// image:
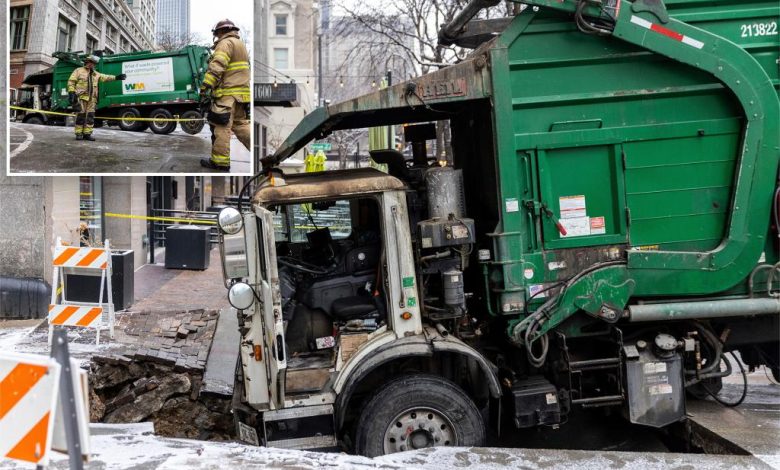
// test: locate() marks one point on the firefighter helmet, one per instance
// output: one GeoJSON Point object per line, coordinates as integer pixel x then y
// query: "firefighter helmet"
{"type": "Point", "coordinates": [225, 24]}
{"type": "Point", "coordinates": [92, 58]}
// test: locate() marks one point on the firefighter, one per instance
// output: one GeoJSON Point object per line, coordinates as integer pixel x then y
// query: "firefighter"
{"type": "Point", "coordinates": [226, 85]}
{"type": "Point", "coordinates": [83, 95]}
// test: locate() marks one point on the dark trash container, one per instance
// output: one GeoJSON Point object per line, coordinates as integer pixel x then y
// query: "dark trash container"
{"type": "Point", "coordinates": [23, 298]}
{"type": "Point", "coordinates": [86, 288]}
{"type": "Point", "coordinates": [187, 247]}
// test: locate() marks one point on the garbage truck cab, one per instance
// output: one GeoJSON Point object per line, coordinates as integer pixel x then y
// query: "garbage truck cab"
{"type": "Point", "coordinates": [605, 235]}
{"type": "Point", "coordinates": [331, 274]}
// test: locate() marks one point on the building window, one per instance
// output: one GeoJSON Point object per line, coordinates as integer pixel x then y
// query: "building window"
{"type": "Point", "coordinates": [93, 16]}
{"type": "Point", "coordinates": [90, 211]}
{"type": "Point", "coordinates": [281, 25]}
{"type": "Point", "coordinates": [66, 33]}
{"type": "Point", "coordinates": [281, 59]}
{"type": "Point", "coordinates": [92, 44]}
{"type": "Point", "coordinates": [20, 18]}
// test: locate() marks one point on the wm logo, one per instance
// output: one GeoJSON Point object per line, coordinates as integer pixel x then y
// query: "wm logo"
{"type": "Point", "coordinates": [135, 87]}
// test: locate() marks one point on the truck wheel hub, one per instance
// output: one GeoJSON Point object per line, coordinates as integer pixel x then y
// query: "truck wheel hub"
{"type": "Point", "coordinates": [419, 428]}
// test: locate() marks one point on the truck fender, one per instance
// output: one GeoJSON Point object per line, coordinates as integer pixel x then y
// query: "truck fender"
{"type": "Point", "coordinates": [427, 344]}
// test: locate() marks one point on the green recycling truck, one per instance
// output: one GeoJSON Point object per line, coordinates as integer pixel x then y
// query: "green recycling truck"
{"type": "Point", "coordinates": [160, 85]}
{"type": "Point", "coordinates": [606, 235]}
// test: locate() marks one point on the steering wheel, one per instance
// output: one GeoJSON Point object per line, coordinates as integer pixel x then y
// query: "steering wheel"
{"type": "Point", "coordinates": [300, 265]}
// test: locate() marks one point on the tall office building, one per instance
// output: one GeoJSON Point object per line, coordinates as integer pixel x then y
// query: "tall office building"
{"type": "Point", "coordinates": [173, 18]}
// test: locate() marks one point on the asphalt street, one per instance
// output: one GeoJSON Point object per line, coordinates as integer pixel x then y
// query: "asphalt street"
{"type": "Point", "coordinates": [53, 149]}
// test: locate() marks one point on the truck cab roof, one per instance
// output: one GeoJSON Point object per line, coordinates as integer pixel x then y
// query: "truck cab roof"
{"type": "Point", "coordinates": [281, 188]}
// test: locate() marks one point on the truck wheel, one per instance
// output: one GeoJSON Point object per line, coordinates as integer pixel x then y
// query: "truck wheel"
{"type": "Point", "coordinates": [165, 127]}
{"type": "Point", "coordinates": [133, 126]}
{"type": "Point", "coordinates": [34, 120]}
{"type": "Point", "coordinates": [192, 127]}
{"type": "Point", "coordinates": [416, 411]}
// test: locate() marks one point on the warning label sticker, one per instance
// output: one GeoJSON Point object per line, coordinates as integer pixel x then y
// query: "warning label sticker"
{"type": "Point", "coordinates": [655, 368]}
{"type": "Point", "coordinates": [512, 205]}
{"type": "Point", "coordinates": [576, 227]}
{"type": "Point", "coordinates": [460, 231]}
{"type": "Point", "coordinates": [572, 206]}
{"type": "Point", "coordinates": [597, 226]}
{"type": "Point", "coordinates": [660, 389]}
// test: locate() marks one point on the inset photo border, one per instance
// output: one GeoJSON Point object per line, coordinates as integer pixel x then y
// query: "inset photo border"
{"type": "Point", "coordinates": [145, 87]}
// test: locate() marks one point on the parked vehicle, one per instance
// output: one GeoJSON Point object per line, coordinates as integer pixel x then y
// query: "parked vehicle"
{"type": "Point", "coordinates": [158, 85]}
{"type": "Point", "coordinates": [606, 235]}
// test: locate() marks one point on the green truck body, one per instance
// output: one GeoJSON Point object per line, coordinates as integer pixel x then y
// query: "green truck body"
{"type": "Point", "coordinates": [158, 84]}
{"type": "Point", "coordinates": [655, 147]}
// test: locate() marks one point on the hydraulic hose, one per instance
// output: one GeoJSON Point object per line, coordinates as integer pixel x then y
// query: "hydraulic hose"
{"type": "Point", "coordinates": [744, 384]}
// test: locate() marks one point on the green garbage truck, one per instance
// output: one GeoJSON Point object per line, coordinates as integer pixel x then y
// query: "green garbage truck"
{"type": "Point", "coordinates": [159, 85]}
{"type": "Point", "coordinates": [605, 235]}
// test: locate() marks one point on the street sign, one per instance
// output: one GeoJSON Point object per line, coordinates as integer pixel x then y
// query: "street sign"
{"type": "Point", "coordinates": [324, 146]}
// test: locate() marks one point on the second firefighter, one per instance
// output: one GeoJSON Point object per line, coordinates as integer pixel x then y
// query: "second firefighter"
{"type": "Point", "coordinates": [226, 84]}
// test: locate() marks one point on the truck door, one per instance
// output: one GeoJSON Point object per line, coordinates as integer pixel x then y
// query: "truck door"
{"type": "Point", "coordinates": [265, 341]}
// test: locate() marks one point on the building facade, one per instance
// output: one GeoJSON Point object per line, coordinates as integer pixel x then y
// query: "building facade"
{"type": "Point", "coordinates": [145, 11]}
{"type": "Point", "coordinates": [39, 28]}
{"type": "Point", "coordinates": [173, 18]}
{"type": "Point", "coordinates": [285, 64]}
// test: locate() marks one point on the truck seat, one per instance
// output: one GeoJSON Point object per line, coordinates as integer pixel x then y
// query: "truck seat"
{"type": "Point", "coordinates": [356, 306]}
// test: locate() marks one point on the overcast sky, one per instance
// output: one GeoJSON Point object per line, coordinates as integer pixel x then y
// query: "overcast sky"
{"type": "Point", "coordinates": [204, 14]}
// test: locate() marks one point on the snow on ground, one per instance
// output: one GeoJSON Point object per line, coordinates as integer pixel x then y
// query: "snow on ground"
{"type": "Point", "coordinates": [134, 446]}
{"type": "Point", "coordinates": [31, 337]}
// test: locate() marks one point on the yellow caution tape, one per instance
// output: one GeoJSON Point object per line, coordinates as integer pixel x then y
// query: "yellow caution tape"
{"type": "Point", "coordinates": [161, 219]}
{"type": "Point", "coordinates": [55, 113]}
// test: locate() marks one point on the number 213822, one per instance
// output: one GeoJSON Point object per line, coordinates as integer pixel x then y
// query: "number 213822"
{"type": "Point", "coordinates": [759, 29]}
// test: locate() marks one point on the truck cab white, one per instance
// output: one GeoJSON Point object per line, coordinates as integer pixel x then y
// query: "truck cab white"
{"type": "Point", "coordinates": [334, 352]}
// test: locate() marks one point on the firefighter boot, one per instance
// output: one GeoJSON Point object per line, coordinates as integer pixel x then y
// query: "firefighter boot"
{"type": "Point", "coordinates": [213, 166]}
{"type": "Point", "coordinates": [89, 137]}
{"type": "Point", "coordinates": [79, 136]}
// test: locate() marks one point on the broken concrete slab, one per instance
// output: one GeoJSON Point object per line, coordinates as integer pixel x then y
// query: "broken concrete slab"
{"type": "Point", "coordinates": [221, 365]}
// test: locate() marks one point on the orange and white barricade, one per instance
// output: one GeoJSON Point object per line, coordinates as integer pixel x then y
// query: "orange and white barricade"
{"type": "Point", "coordinates": [29, 385]}
{"type": "Point", "coordinates": [82, 261]}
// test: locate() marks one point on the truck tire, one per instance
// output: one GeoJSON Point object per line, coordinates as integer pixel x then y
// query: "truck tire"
{"type": "Point", "coordinates": [192, 127]}
{"type": "Point", "coordinates": [165, 127]}
{"type": "Point", "coordinates": [34, 120]}
{"type": "Point", "coordinates": [133, 126]}
{"type": "Point", "coordinates": [416, 411]}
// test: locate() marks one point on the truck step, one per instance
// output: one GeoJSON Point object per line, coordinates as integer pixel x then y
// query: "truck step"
{"type": "Point", "coordinates": [303, 428]}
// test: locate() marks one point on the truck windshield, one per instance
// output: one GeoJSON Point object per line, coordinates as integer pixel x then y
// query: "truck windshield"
{"type": "Point", "coordinates": [293, 222]}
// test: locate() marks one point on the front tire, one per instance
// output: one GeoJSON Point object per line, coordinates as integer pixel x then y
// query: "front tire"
{"type": "Point", "coordinates": [132, 126]}
{"type": "Point", "coordinates": [34, 120]}
{"type": "Point", "coordinates": [417, 411]}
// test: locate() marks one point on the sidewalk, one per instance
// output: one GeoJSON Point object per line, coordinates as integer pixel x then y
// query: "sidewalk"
{"type": "Point", "coordinates": [172, 320]}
